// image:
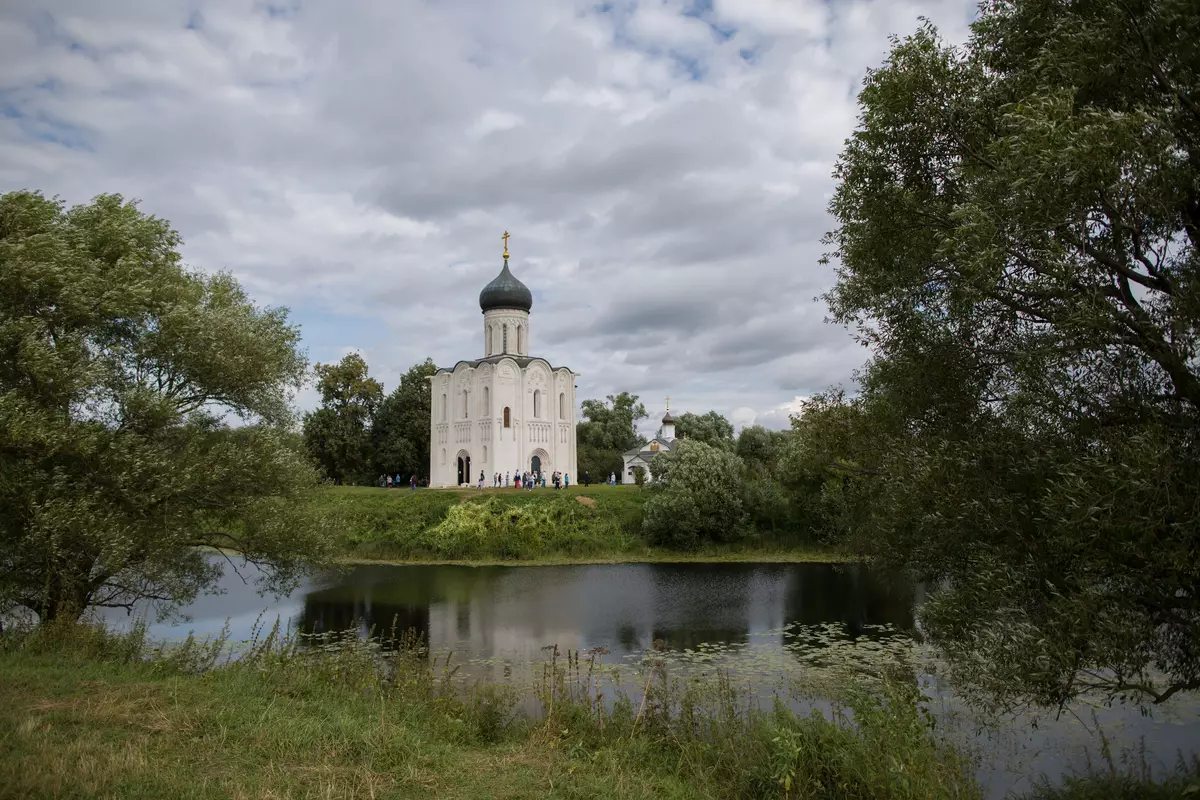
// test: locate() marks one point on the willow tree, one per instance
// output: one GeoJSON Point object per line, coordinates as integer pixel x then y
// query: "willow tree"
{"type": "Point", "coordinates": [1018, 221]}
{"type": "Point", "coordinates": [119, 373]}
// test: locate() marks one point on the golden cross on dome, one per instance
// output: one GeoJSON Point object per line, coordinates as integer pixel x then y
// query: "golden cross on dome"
{"type": "Point", "coordinates": [668, 402]}
{"type": "Point", "coordinates": [505, 238]}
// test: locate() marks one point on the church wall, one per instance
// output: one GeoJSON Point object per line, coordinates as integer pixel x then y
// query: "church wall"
{"type": "Point", "coordinates": [508, 387]}
{"type": "Point", "coordinates": [548, 429]}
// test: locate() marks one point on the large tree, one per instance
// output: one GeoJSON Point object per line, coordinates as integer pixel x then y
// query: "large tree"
{"type": "Point", "coordinates": [338, 434]}
{"type": "Point", "coordinates": [608, 430]}
{"type": "Point", "coordinates": [400, 432]}
{"type": "Point", "coordinates": [711, 428]}
{"type": "Point", "coordinates": [1017, 226]}
{"type": "Point", "coordinates": [118, 367]}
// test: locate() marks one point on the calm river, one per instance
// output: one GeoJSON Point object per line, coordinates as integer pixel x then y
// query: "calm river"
{"type": "Point", "coordinates": [760, 621]}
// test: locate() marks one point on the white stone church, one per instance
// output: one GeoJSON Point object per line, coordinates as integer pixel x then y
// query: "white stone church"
{"type": "Point", "coordinates": [505, 412]}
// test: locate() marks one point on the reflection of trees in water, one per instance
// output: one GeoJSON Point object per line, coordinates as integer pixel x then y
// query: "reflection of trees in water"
{"type": "Point", "coordinates": [701, 603]}
{"type": "Point", "coordinates": [684, 605]}
{"type": "Point", "coordinates": [334, 611]}
{"type": "Point", "coordinates": [690, 637]}
{"type": "Point", "coordinates": [850, 594]}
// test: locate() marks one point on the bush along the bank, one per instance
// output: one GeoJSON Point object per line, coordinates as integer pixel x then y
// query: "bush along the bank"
{"type": "Point", "coordinates": [697, 497]}
{"type": "Point", "coordinates": [389, 719]}
{"type": "Point", "coordinates": [496, 529]}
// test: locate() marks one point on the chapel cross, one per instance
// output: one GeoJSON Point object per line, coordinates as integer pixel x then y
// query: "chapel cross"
{"type": "Point", "coordinates": [668, 402]}
{"type": "Point", "coordinates": [505, 238]}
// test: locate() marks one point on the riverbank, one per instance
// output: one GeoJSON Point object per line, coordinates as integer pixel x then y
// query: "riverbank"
{"type": "Point", "coordinates": [592, 525]}
{"type": "Point", "coordinates": [85, 712]}
{"type": "Point", "coordinates": [91, 714]}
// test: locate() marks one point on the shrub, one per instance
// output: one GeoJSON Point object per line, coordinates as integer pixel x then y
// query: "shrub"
{"type": "Point", "coordinates": [697, 497]}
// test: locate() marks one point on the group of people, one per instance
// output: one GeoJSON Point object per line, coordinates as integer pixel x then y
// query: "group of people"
{"type": "Point", "coordinates": [387, 482]}
{"type": "Point", "coordinates": [528, 480]}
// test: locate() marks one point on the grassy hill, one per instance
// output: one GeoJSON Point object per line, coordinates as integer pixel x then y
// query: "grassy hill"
{"type": "Point", "coordinates": [598, 523]}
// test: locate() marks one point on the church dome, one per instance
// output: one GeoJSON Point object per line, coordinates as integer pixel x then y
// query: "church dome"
{"type": "Point", "coordinates": [505, 291]}
{"type": "Point", "coordinates": [668, 419]}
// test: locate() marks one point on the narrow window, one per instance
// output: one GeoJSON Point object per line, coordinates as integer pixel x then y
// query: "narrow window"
{"type": "Point", "coordinates": [466, 411]}
{"type": "Point", "coordinates": [505, 329]}
{"type": "Point", "coordinates": [443, 407]}
{"type": "Point", "coordinates": [562, 405]}
{"type": "Point", "coordinates": [487, 402]}
{"type": "Point", "coordinates": [507, 420]}
{"type": "Point", "coordinates": [487, 340]}
{"type": "Point", "coordinates": [537, 403]}
{"type": "Point", "coordinates": [520, 340]}
{"type": "Point", "coordinates": [443, 455]}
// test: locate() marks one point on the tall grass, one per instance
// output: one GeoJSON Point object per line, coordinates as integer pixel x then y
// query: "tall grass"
{"type": "Point", "coordinates": [384, 715]}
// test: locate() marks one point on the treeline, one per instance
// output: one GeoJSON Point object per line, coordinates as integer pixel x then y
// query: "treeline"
{"type": "Point", "coordinates": [359, 433]}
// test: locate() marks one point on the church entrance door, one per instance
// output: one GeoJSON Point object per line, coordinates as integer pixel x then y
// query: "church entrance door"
{"type": "Point", "coordinates": [464, 470]}
{"type": "Point", "coordinates": [535, 465]}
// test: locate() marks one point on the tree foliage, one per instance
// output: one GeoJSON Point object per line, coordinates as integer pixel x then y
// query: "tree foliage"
{"type": "Point", "coordinates": [117, 367]}
{"type": "Point", "coordinates": [608, 430]}
{"type": "Point", "coordinates": [697, 496]}
{"type": "Point", "coordinates": [400, 429]}
{"type": "Point", "coordinates": [338, 434]}
{"type": "Point", "coordinates": [1017, 242]}
{"type": "Point", "coordinates": [710, 428]}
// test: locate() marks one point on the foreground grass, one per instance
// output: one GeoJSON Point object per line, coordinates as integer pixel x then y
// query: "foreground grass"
{"type": "Point", "coordinates": [85, 713]}
{"type": "Point", "coordinates": [598, 524]}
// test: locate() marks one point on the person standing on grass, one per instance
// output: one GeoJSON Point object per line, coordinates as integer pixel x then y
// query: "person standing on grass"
{"type": "Point", "coordinates": [506, 474]}
{"type": "Point", "coordinates": [567, 480]}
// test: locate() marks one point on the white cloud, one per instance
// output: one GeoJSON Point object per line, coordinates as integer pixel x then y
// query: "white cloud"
{"type": "Point", "coordinates": [663, 167]}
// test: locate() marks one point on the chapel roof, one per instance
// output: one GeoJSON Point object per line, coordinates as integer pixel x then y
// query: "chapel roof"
{"type": "Point", "coordinates": [663, 443]}
{"type": "Point", "coordinates": [505, 291]}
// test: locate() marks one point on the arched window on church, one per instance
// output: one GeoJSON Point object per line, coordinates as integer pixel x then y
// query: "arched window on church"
{"type": "Point", "coordinates": [443, 407]}
{"type": "Point", "coordinates": [487, 402]}
{"type": "Point", "coordinates": [505, 329]}
{"type": "Point", "coordinates": [507, 419]}
{"type": "Point", "coordinates": [485, 454]}
{"type": "Point", "coordinates": [562, 405]}
{"type": "Point", "coordinates": [487, 341]}
{"type": "Point", "coordinates": [466, 411]}
{"type": "Point", "coordinates": [520, 339]}
{"type": "Point", "coordinates": [537, 403]}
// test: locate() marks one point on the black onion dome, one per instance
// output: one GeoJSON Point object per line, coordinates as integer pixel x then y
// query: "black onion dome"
{"type": "Point", "coordinates": [668, 419]}
{"type": "Point", "coordinates": [505, 291]}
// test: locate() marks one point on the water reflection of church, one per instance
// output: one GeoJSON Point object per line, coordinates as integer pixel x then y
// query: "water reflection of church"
{"type": "Point", "coordinates": [512, 612]}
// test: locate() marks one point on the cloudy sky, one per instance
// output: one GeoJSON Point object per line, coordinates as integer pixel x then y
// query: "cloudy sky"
{"type": "Point", "coordinates": [663, 167]}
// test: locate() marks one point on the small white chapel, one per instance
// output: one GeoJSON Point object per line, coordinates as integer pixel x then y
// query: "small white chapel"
{"type": "Point", "coordinates": [643, 455]}
{"type": "Point", "coordinates": [507, 411]}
